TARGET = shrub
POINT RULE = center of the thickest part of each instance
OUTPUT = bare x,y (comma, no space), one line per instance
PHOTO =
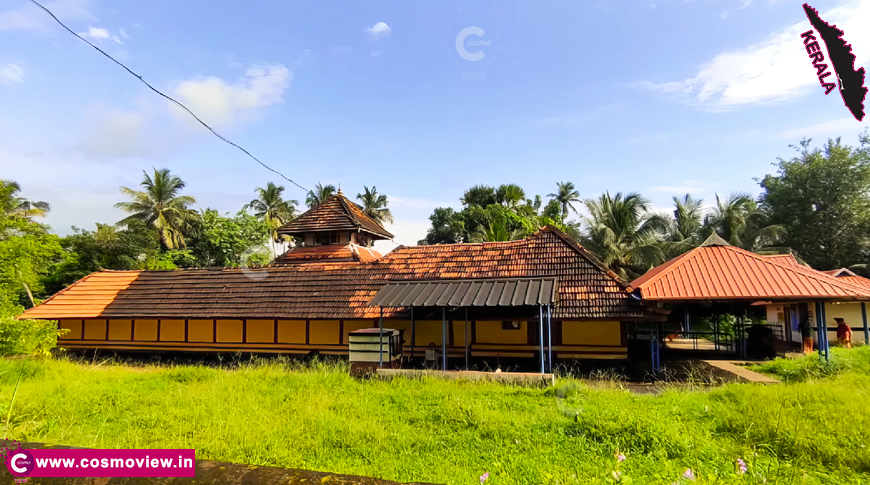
27,337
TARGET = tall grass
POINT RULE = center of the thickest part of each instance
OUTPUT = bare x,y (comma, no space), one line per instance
314,416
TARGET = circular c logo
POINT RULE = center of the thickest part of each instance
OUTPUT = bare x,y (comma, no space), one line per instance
21,463
460,41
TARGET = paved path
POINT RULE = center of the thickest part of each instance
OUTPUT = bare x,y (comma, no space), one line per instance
737,369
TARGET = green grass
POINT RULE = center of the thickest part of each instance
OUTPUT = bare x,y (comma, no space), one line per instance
316,417
856,361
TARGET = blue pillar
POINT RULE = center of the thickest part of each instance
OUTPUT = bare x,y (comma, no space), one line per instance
549,338
444,338
541,333
381,339
866,329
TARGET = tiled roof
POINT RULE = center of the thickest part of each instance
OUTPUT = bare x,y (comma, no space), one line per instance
87,297
857,281
327,254
724,272
587,290
337,213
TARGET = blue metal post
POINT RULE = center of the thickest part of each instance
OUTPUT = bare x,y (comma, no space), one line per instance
444,338
541,327
381,339
549,338
866,329
825,327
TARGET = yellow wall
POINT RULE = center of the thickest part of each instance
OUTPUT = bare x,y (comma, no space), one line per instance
323,332
459,332
229,330
490,332
591,333
200,330
351,325
120,330
145,330
260,331
291,331
75,329
172,330
95,330
428,332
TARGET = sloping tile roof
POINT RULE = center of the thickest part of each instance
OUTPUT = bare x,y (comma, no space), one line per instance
724,272
337,213
326,254
87,297
587,290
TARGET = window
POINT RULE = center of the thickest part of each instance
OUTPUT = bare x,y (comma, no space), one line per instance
511,325
334,237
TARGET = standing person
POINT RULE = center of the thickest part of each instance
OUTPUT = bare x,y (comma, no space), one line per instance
807,334
844,333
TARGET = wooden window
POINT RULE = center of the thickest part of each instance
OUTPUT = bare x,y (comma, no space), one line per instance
74,327
120,330
95,330
200,330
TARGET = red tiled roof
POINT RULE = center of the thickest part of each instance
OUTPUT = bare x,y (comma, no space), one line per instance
724,272
587,290
337,213
327,254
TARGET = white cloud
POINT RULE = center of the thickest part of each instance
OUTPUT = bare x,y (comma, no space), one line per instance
99,34
121,134
218,102
378,31
774,70
29,17
837,127
11,74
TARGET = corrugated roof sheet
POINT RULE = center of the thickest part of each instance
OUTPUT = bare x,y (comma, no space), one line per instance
337,213
587,290
724,272
784,259
468,293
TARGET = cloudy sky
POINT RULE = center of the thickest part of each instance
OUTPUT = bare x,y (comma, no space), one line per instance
658,96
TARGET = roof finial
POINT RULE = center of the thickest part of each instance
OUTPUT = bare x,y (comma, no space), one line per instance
339,187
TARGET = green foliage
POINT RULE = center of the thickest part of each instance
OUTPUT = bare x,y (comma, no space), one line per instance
132,246
808,367
375,205
162,206
822,198
26,249
272,209
26,337
315,416
228,241
319,195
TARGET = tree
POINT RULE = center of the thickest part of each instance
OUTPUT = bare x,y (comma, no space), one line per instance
510,195
822,198
566,196
447,227
479,196
15,206
271,208
623,234
375,205
161,206
686,230
229,240
27,250
739,221
319,195
496,230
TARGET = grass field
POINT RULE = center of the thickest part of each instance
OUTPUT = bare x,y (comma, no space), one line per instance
813,430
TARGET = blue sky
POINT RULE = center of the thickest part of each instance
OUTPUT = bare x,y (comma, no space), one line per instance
657,96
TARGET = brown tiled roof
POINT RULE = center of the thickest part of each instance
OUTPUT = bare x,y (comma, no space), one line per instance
337,213
587,290
327,254
725,272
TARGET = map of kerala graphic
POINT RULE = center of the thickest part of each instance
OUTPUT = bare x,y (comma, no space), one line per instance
851,81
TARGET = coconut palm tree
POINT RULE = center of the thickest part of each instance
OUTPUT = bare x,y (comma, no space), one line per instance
479,195
161,206
686,229
319,195
375,205
567,196
15,206
510,195
624,235
271,207
494,231
739,221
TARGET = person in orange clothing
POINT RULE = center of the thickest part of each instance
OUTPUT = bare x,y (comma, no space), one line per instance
807,334
844,333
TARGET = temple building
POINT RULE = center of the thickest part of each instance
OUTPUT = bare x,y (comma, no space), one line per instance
519,299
